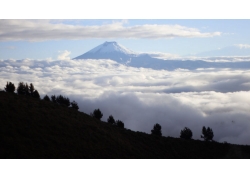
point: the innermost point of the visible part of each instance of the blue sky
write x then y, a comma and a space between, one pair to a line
41, 39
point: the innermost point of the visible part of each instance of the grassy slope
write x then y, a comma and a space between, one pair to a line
31, 128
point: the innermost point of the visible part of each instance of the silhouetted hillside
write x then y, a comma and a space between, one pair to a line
33, 128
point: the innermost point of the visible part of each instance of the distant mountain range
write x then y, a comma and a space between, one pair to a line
235, 50
120, 54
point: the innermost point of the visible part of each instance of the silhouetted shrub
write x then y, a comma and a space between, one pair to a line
10, 87
156, 130
74, 105
111, 120
21, 89
97, 114
46, 98
186, 133
207, 134
119, 124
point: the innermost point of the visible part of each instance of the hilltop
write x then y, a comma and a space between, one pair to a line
33, 128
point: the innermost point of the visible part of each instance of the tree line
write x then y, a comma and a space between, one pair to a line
186, 133
22, 89
29, 90
98, 115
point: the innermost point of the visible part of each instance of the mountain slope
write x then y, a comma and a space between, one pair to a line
31, 128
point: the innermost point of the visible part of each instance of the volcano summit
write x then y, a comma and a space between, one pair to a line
109, 50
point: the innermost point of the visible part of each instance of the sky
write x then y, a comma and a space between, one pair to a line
49, 39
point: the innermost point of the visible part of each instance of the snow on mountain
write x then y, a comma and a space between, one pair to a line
110, 50
108, 47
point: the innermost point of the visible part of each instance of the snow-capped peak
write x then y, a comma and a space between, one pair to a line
108, 47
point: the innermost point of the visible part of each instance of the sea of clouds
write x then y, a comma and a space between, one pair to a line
140, 97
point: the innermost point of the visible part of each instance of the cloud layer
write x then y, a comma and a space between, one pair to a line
41, 30
218, 98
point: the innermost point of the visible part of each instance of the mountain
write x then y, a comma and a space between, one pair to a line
236, 50
36, 129
120, 54
109, 50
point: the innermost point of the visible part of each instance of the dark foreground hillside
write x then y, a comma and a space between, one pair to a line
31, 128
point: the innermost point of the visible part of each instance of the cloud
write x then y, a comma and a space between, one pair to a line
164, 56
243, 46
42, 30
64, 55
215, 58
140, 97
234, 50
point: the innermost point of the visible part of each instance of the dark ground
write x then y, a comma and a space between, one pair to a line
37, 129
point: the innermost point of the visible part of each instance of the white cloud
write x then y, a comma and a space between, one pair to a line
214, 58
243, 46
218, 98
41, 30
164, 56
64, 55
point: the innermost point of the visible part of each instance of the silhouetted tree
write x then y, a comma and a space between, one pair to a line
66, 101
53, 98
59, 99
156, 130
35, 94
111, 120
97, 114
74, 105
207, 134
10, 87
21, 88
186, 133
119, 124
63, 100
27, 90
46, 98
31, 88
